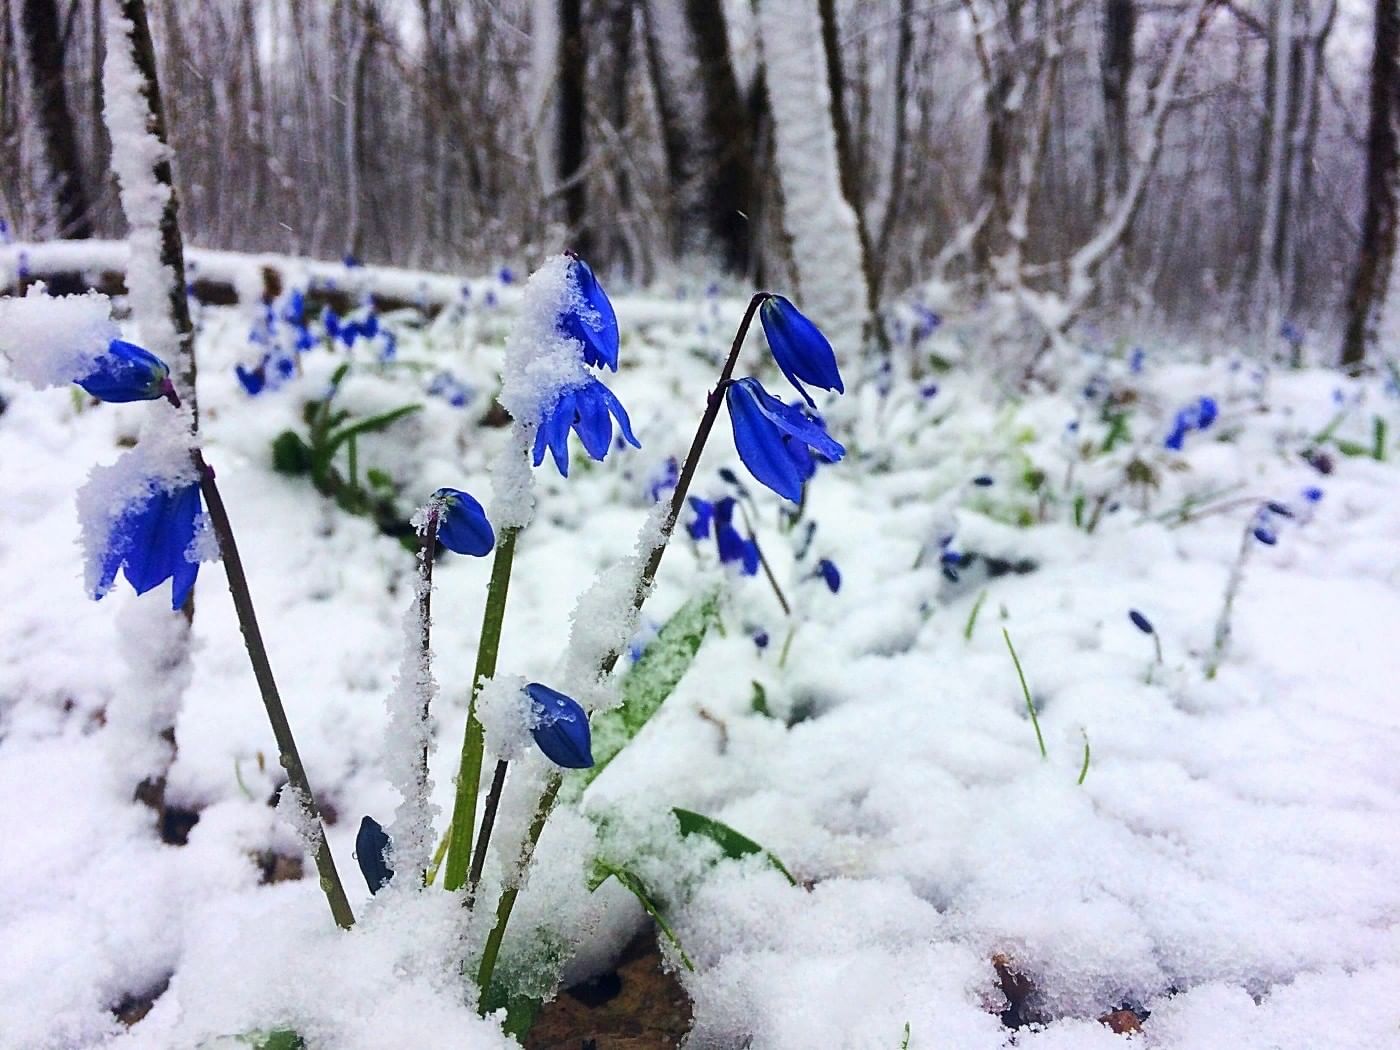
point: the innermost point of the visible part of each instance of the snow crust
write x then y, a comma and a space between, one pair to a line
1226, 865
53, 340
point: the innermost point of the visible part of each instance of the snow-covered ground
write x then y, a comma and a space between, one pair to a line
1227, 867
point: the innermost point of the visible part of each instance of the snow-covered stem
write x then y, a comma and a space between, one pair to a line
1221, 641
290, 757
506, 904
427, 549
459, 842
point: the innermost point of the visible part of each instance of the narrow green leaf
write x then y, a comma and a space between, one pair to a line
371, 425
277, 1039
735, 844
649, 682
759, 703
602, 871
904, 1043
521, 1010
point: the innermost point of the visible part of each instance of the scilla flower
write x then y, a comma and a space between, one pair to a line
827, 570
776, 441
561, 727
126, 372
589, 411
596, 325
802, 352
151, 541
371, 847
462, 524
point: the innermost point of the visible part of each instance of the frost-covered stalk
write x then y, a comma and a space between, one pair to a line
651, 545
1232, 589
156, 647
459, 835
410, 705
309, 825
825, 232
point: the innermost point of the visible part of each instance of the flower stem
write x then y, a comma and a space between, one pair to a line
763, 561
428, 540
331, 885
488, 823
459, 842
506, 904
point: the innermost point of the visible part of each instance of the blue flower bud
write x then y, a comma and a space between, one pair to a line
462, 523
1312, 494
827, 570
371, 845
983, 481
1140, 621
802, 352
561, 727
773, 439
760, 638
126, 372
1265, 535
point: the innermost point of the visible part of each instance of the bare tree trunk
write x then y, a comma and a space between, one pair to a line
571, 126
1267, 290
1378, 225
44, 45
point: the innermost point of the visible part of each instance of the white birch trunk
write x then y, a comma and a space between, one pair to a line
816, 215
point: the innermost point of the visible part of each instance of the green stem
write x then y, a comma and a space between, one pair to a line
330, 882
1026, 690
551, 792
459, 841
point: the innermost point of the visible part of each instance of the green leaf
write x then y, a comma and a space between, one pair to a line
602, 871
759, 703
290, 454
277, 1039
733, 843
1351, 448
521, 1010
649, 682
379, 479
370, 425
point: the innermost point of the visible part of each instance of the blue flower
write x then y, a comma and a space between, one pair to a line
1136, 359
1197, 416
371, 847
596, 327
1265, 535
126, 372
665, 481
149, 542
984, 481
589, 410
774, 439
760, 638
462, 524
733, 547
1312, 494
802, 352
827, 570
699, 528
1140, 621
561, 727
253, 379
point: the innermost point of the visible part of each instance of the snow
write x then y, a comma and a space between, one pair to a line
1226, 865
507, 715
52, 340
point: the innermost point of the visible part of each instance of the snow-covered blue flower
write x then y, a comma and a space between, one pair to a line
462, 523
561, 727
776, 441
150, 542
802, 352
126, 372
595, 326
589, 410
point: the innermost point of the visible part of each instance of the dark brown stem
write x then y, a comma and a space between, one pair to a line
262, 670
488, 823
763, 560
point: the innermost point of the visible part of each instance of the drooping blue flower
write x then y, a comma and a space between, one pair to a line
447, 386
371, 846
1136, 359
699, 527
760, 638
1265, 535
462, 523
561, 727
776, 441
596, 325
149, 541
984, 481
126, 372
665, 480
253, 379
1312, 494
1141, 622
928, 323
830, 574
1198, 415
588, 410
802, 352
734, 548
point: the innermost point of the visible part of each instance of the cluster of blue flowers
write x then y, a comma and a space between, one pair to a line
451, 389
590, 409
284, 333
1199, 415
